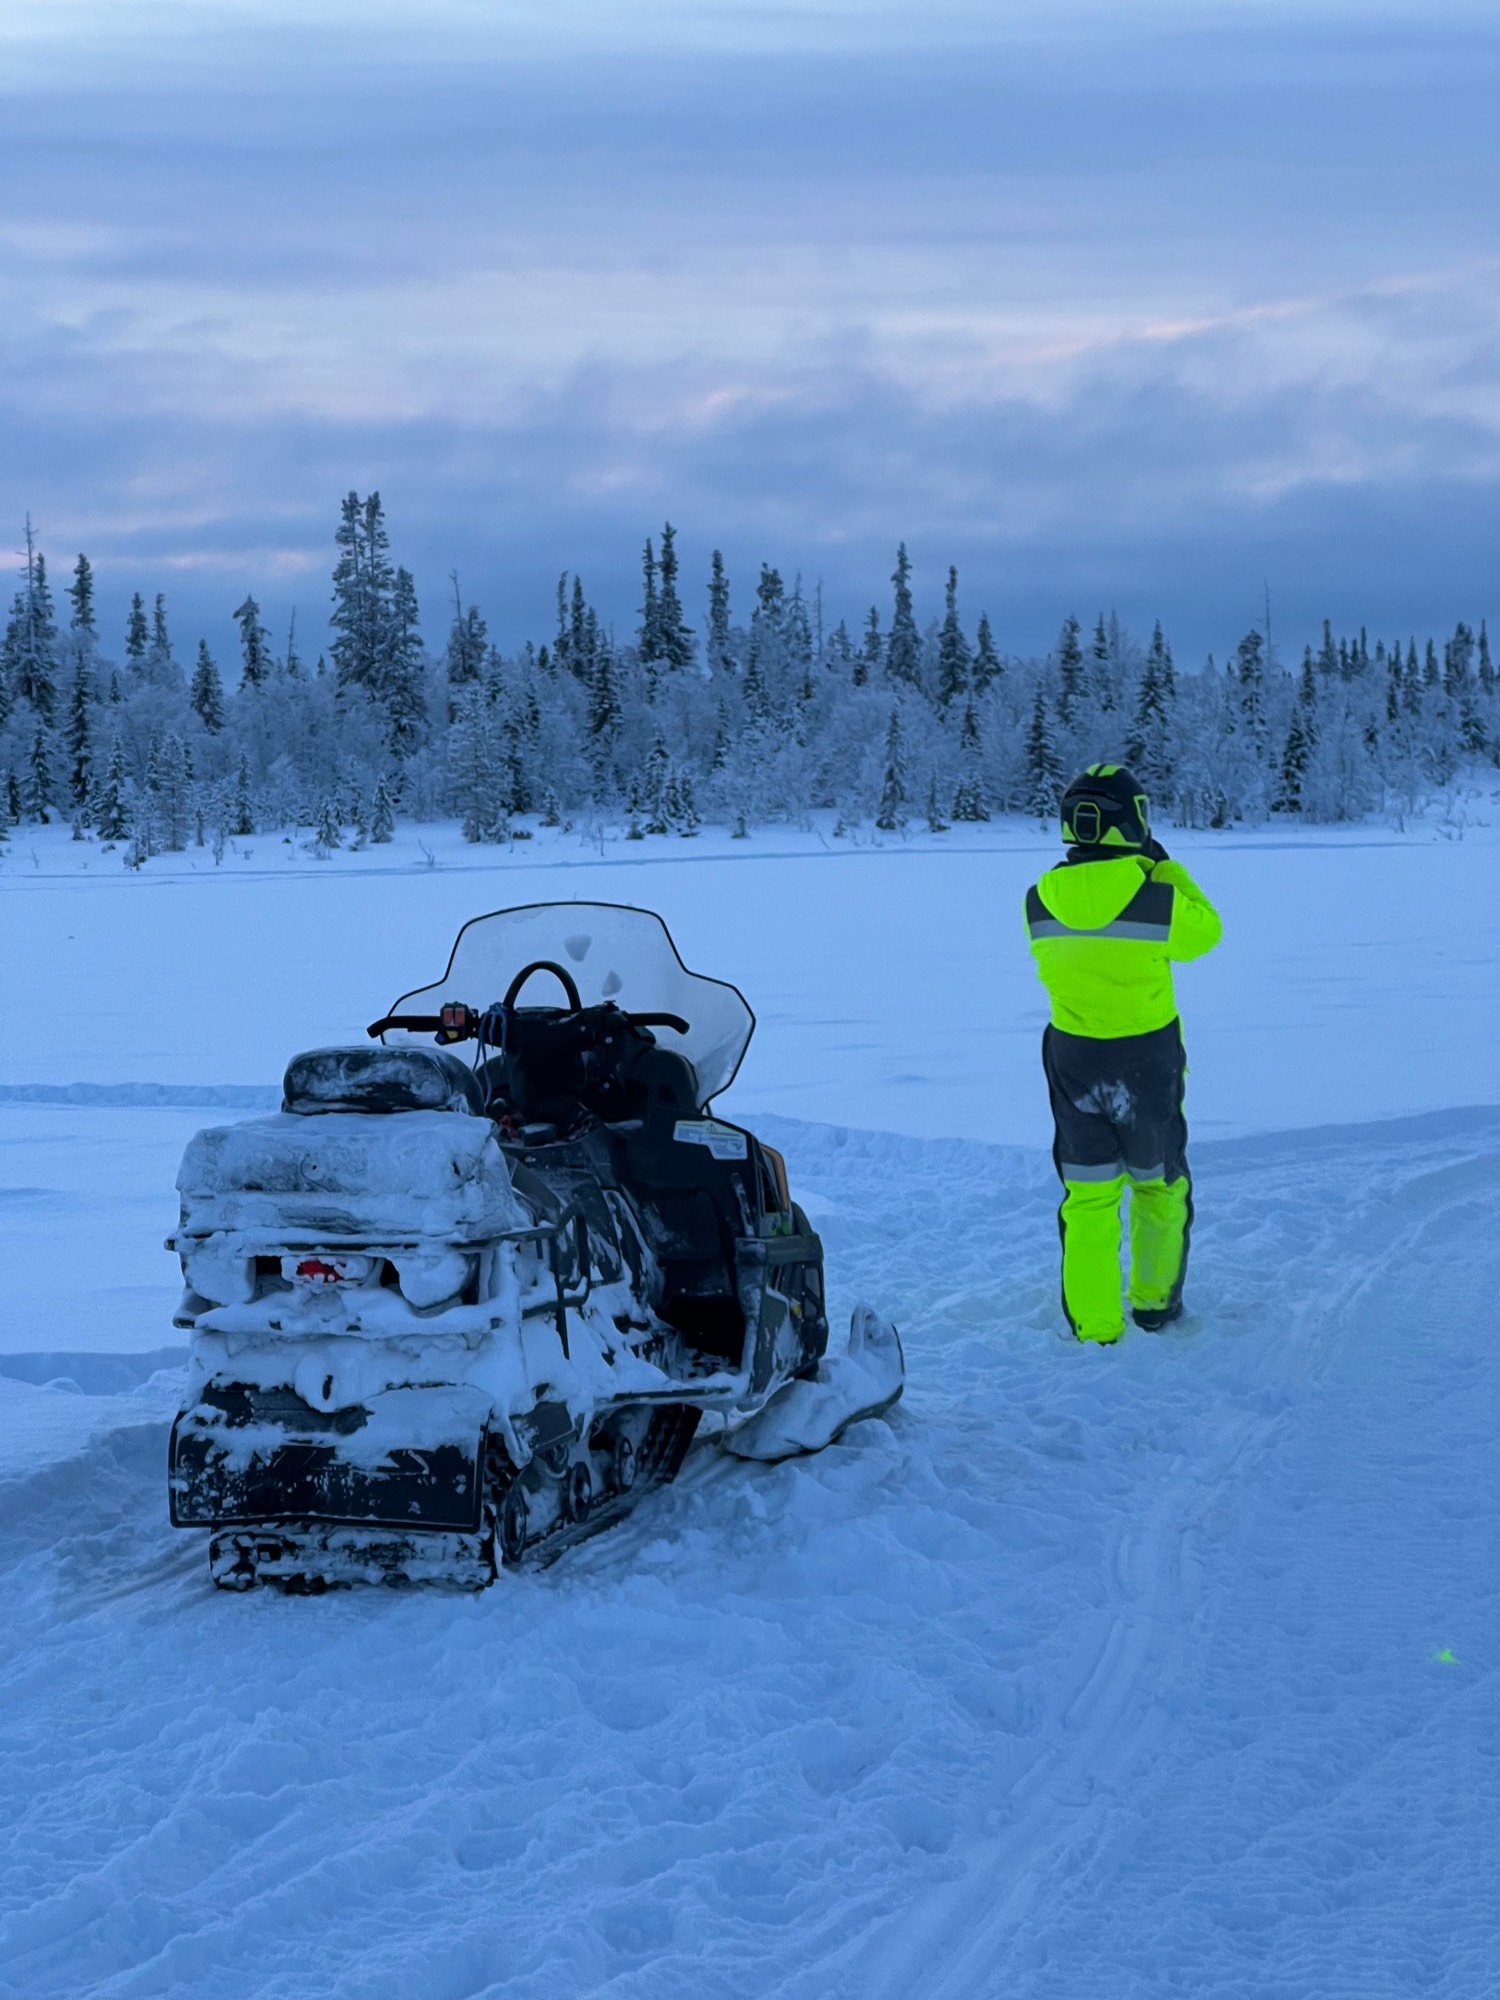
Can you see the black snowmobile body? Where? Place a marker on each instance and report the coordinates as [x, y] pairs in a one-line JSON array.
[[450, 1315]]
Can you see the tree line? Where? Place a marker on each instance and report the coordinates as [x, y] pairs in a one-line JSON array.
[[739, 720]]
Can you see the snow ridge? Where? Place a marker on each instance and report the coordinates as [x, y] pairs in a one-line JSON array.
[[149, 1096]]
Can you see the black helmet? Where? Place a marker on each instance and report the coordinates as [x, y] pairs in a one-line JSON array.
[[1105, 807]]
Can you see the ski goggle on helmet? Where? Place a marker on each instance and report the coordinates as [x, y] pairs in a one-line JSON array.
[[1105, 807]]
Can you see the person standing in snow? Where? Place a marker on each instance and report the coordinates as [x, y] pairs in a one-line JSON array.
[[1104, 928]]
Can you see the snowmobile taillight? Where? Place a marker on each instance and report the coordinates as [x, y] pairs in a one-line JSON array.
[[326, 1270]]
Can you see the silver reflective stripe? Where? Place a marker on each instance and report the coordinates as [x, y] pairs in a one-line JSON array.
[[1071, 1171], [1148, 1173], [1140, 933]]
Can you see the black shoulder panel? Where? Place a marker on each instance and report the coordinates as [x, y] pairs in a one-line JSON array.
[[1151, 904], [1036, 910]]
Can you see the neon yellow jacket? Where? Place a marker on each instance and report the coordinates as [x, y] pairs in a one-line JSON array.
[[1104, 934]]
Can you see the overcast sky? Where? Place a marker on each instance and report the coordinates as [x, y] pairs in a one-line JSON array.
[[1145, 308]]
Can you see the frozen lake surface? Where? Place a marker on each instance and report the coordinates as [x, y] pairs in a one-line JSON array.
[[1157, 1671]]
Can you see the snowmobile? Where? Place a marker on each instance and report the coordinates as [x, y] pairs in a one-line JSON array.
[[448, 1315]]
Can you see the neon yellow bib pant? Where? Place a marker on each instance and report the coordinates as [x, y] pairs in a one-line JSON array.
[[1118, 1123]]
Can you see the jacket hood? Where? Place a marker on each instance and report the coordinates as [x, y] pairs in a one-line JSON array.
[[1088, 895]]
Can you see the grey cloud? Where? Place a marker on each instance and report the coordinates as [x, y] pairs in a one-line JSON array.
[[229, 255], [1136, 496]]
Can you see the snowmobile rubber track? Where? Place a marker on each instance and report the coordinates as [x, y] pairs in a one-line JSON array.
[[657, 1464], [306, 1558]]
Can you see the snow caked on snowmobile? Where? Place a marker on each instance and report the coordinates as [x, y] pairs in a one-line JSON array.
[[447, 1315]]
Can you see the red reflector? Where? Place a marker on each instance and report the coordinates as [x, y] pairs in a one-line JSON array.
[[316, 1272]]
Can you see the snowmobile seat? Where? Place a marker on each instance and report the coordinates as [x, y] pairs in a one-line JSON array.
[[554, 1069], [693, 1205], [380, 1079], [661, 1088]]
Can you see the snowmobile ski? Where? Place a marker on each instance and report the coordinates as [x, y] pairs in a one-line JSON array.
[[810, 1413]]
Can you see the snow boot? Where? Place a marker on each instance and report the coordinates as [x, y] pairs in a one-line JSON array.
[[1155, 1318]]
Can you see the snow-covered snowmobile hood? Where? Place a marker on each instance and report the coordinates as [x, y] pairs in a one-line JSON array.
[[1087, 895]]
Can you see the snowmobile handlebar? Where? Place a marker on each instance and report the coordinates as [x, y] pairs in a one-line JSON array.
[[460, 1023]]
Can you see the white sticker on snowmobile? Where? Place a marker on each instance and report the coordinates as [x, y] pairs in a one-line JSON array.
[[721, 1140]]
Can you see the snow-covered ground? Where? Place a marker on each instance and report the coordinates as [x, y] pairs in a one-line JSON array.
[[1168, 1670]]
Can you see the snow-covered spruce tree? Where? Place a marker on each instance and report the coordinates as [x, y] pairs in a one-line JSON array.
[[364, 582], [720, 658], [1044, 773], [382, 816], [798, 650], [1104, 660], [987, 667], [168, 794], [871, 652], [255, 646], [655, 781], [79, 732], [1149, 740], [241, 813], [648, 641], [481, 772], [291, 663], [206, 694], [674, 639], [29, 654], [903, 646], [953, 649], [1250, 673], [890, 816], [38, 792], [468, 644], [1301, 736], [605, 716], [330, 833], [968, 799], [107, 802], [1069, 672], [688, 820], [1459, 686], [81, 595], [397, 687], [137, 632], [578, 634], [158, 666]]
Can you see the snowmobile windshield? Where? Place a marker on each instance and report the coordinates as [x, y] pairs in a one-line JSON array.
[[611, 952]]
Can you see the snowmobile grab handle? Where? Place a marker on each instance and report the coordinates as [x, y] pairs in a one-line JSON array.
[[560, 973]]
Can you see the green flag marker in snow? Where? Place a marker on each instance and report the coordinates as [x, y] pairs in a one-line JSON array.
[[1447, 1657]]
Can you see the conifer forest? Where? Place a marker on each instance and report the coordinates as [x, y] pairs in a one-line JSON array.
[[730, 703]]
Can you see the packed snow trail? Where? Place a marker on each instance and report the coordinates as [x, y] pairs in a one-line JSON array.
[[1156, 1671]]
